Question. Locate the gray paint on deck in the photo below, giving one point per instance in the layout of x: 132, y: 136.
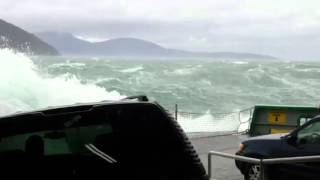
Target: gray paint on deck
x: 222, y: 168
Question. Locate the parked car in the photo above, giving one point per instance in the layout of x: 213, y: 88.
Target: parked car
x: 116, y: 140
x: 303, y: 141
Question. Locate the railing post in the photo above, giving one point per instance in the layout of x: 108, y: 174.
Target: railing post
x: 262, y: 169
x: 176, y: 112
x: 209, y: 165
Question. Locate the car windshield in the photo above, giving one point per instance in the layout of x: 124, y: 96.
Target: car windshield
x: 311, y: 129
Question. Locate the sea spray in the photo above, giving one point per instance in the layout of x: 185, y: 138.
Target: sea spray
x: 24, y: 88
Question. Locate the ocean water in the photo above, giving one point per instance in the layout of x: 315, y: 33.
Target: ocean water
x: 205, y: 86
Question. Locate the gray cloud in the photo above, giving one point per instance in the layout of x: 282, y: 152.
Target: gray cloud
x: 287, y: 28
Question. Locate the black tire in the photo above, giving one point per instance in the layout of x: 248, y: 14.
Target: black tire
x: 252, y: 172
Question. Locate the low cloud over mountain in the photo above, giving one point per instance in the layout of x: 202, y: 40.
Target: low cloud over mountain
x: 68, y: 44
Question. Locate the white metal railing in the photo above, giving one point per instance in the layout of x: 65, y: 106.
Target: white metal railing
x: 243, y: 117
x: 261, y: 162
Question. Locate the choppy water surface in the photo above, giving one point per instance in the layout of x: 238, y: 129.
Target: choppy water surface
x: 196, y: 85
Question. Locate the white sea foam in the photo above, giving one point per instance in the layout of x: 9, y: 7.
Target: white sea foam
x: 68, y: 64
x: 132, y: 70
x: 105, y: 80
x: 308, y: 70
x: 23, y: 87
x: 240, y: 62
x: 206, y: 82
x: 181, y: 71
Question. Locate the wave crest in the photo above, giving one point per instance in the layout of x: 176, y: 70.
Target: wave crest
x: 24, y: 88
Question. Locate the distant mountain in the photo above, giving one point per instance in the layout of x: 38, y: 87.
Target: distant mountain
x: 16, y: 38
x: 68, y: 44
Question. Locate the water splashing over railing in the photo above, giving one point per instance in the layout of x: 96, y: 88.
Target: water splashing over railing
x: 215, y: 123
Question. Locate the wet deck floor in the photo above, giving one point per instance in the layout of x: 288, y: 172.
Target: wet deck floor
x: 222, y: 168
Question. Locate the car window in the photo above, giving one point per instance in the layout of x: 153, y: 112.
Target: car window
x: 95, y: 134
x: 303, y: 120
x: 68, y: 134
x: 310, y: 134
x: 51, y: 146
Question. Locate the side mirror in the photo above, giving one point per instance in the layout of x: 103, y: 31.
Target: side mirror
x: 303, y: 141
x: 292, y: 140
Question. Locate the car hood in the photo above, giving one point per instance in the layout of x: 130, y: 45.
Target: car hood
x: 268, y: 137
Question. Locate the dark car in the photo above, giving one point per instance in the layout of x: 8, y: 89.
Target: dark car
x: 109, y: 140
x: 303, y: 141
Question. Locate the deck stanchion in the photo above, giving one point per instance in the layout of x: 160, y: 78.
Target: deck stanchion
x: 176, y: 112
x: 209, y: 166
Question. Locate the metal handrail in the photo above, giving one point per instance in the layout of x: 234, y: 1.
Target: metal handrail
x: 229, y: 156
x: 215, y: 113
x: 261, y: 162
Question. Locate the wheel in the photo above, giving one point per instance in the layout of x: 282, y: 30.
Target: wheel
x: 252, y: 172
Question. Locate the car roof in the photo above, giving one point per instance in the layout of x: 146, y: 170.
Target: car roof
x: 78, y: 107
x: 57, y: 117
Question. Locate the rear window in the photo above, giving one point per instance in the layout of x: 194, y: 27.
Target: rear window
x: 66, y: 134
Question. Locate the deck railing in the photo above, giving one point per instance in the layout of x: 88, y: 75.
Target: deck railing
x: 241, y: 120
x: 261, y: 162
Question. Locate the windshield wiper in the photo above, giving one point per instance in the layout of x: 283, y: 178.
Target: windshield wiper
x: 99, y: 153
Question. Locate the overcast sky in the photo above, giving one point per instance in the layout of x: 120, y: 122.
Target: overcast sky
x: 284, y: 28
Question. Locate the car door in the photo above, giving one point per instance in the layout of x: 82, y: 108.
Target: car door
x: 304, y: 142
x: 308, y: 142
